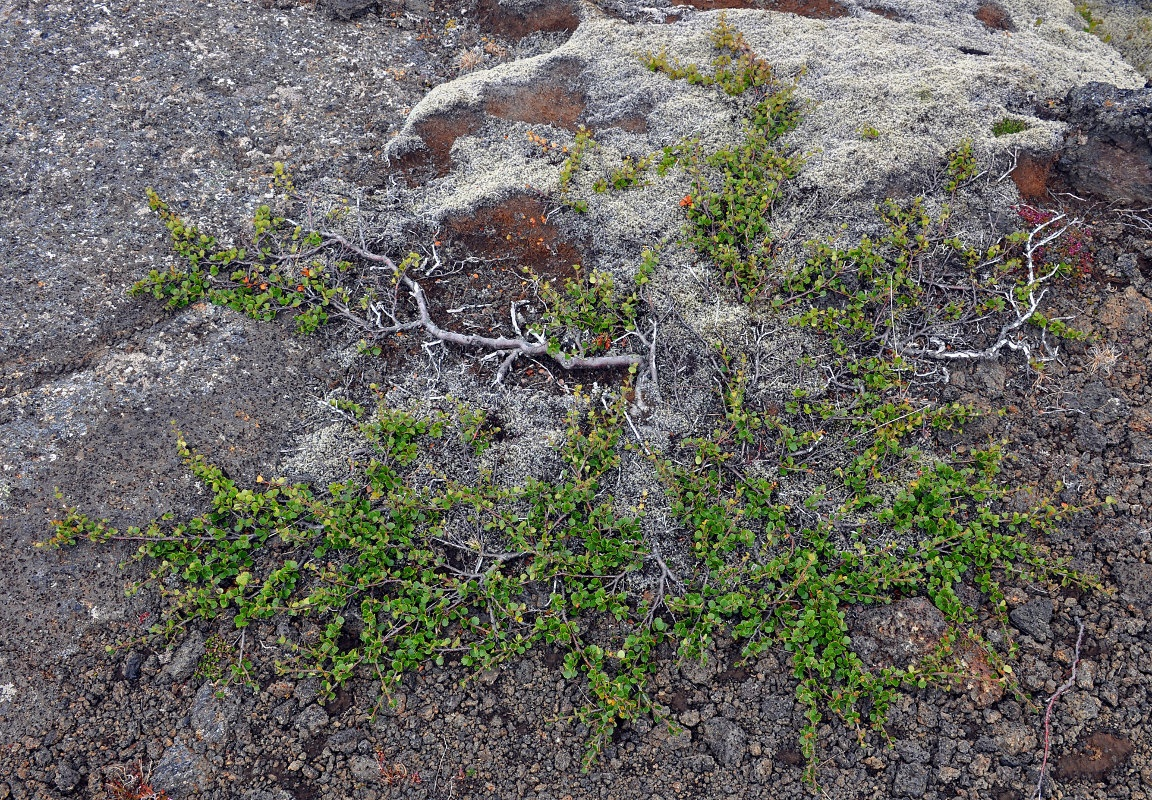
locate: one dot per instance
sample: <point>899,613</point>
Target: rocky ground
<point>198,101</point>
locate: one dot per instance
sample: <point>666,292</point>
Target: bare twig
<point>1024,306</point>
<point>1063,689</point>
<point>518,345</point>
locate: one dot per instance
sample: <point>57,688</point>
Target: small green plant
<point>1092,21</point>
<point>628,175</point>
<point>962,166</point>
<point>734,190</point>
<point>869,132</point>
<point>591,313</point>
<point>407,563</point>
<point>1009,126</point>
<point>218,654</point>
<point>475,429</point>
<point>571,166</point>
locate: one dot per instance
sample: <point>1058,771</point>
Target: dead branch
<point>1024,302</point>
<point>1063,688</point>
<point>514,347</point>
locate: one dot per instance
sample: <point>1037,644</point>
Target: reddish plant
<point>392,774</point>
<point>131,785</point>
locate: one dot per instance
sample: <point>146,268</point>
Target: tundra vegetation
<point>405,563</point>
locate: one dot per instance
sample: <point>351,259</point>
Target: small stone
<point>364,769</point>
<point>131,667</point>
<point>1086,675</point>
<point>307,691</point>
<point>283,713</point>
<point>700,763</point>
<point>563,761</point>
<point>1033,618</point>
<point>211,715</point>
<point>726,740</point>
<point>281,689</point>
<point>690,718</point>
<point>1083,707</point>
<point>679,741</point>
<point>913,752</point>
<point>697,672</point>
<point>66,778</point>
<point>1017,739</point>
<point>184,661</point>
<point>777,708</point>
<point>762,770</point>
<point>343,741</point>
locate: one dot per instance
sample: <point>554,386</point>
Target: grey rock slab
<point>364,769</point>
<point>211,715</point>
<point>1033,618</point>
<point>1135,580</point>
<point>897,634</point>
<point>913,752</point>
<point>181,773</point>
<point>266,794</point>
<point>344,741</point>
<point>726,740</point>
<point>699,673</point>
<point>307,690</point>
<point>700,763</point>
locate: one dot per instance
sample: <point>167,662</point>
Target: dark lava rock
<point>1135,583</point>
<point>1033,618</point>
<point>344,741</point>
<point>306,691</point>
<point>1094,757</point>
<point>913,752</point>
<point>726,740</point>
<point>700,764</point>
<point>347,9</point>
<point>311,720</point>
<point>911,780</point>
<point>183,663</point>
<point>1108,152</point>
<point>131,667</point>
<point>66,778</point>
